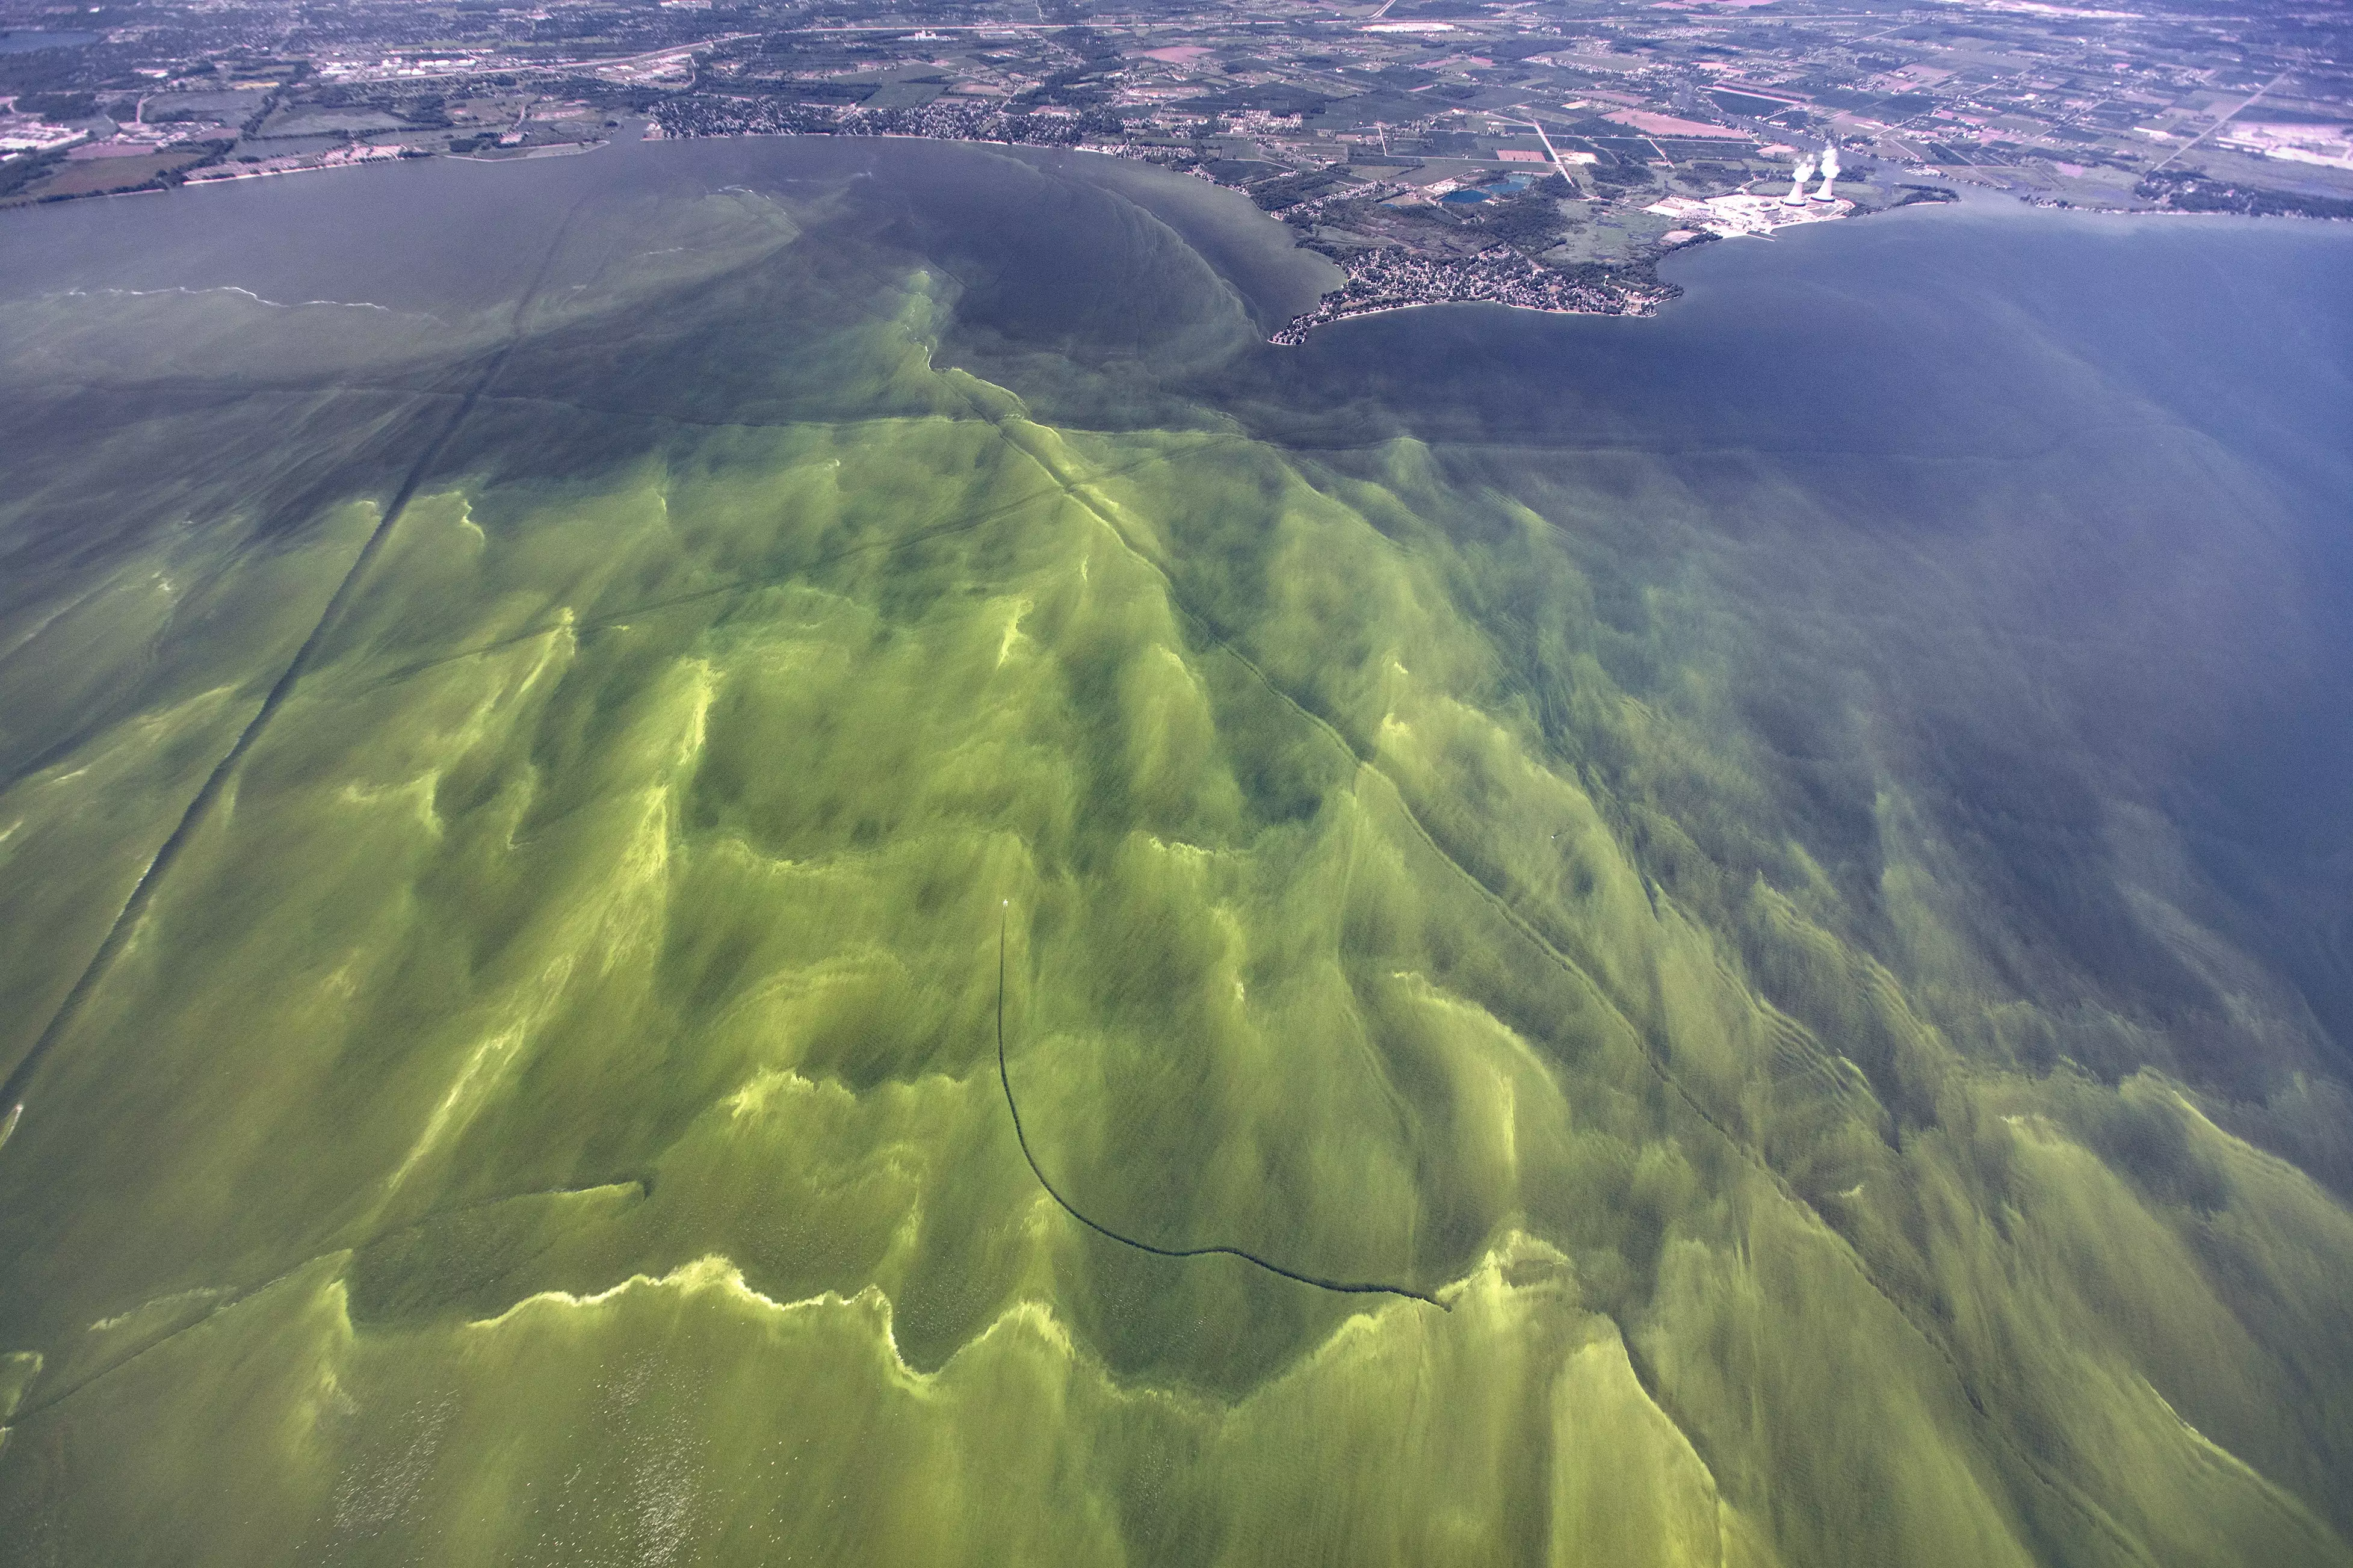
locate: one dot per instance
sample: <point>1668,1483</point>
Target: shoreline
<point>1630,288</point>
<point>1334,321</point>
<point>1396,276</point>
<point>203,173</point>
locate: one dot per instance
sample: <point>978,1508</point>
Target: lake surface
<point>576,736</point>
<point>27,42</point>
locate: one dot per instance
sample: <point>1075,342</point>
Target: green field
<point>507,829</point>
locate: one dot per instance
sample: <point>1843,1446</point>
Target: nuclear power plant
<point>1797,196</point>
<point>1745,212</point>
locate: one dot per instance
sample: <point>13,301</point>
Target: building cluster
<point>1394,278</point>
<point>1633,105</point>
<point>962,122</point>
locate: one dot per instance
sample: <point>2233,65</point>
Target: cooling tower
<point>1829,172</point>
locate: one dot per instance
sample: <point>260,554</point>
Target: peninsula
<point>1543,155</point>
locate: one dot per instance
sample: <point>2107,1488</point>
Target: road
<point>1550,156</point>
<point>2226,119</point>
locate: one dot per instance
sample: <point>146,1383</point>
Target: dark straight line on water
<point>142,893</point>
<point>1651,1050</point>
<point>1343,1287</point>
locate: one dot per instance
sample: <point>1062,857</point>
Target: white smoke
<point>1829,172</point>
<point>1797,196</point>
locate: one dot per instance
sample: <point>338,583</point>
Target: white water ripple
<point>234,288</point>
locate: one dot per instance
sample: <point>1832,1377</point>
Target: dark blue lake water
<point>27,42</point>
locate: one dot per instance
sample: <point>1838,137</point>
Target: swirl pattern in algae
<point>512,800</point>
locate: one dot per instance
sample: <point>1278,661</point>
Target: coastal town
<point>1545,155</point>
<point>1392,278</point>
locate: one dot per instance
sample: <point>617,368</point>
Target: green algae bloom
<point>515,804</point>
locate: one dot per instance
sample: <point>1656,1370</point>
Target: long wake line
<point>127,919</point>
<point>1345,1286</point>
